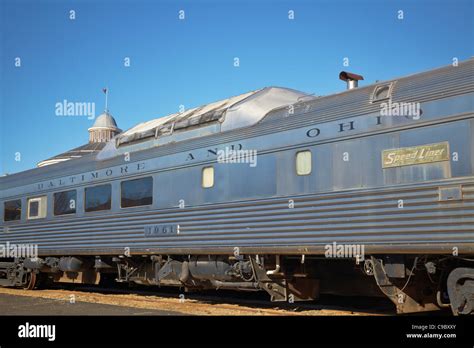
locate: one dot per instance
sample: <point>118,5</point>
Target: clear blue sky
<point>190,62</point>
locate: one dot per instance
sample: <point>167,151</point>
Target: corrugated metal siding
<point>358,216</point>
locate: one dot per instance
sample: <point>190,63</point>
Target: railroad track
<point>208,302</point>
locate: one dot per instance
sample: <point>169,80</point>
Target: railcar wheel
<point>461,291</point>
<point>31,284</point>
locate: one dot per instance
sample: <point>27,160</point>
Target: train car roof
<point>251,112</point>
<point>235,112</point>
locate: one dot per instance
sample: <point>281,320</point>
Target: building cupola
<point>104,129</point>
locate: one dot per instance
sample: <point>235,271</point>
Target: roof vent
<point>350,78</point>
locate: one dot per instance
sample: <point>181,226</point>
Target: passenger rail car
<point>365,192</point>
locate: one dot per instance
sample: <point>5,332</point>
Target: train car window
<point>137,192</point>
<point>12,210</point>
<point>98,198</point>
<point>207,177</point>
<point>37,207</point>
<point>65,202</point>
<point>303,163</point>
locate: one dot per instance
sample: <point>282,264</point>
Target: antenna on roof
<point>106,92</point>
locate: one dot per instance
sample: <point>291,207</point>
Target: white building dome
<point>104,129</point>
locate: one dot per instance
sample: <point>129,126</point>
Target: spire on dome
<point>106,92</point>
<point>105,127</point>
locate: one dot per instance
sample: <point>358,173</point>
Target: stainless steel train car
<point>365,192</point>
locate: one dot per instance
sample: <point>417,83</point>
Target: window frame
<point>213,177</point>
<point>310,162</point>
<point>42,207</point>
<point>136,179</point>
<point>4,210</point>
<point>97,210</point>
<point>54,203</point>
